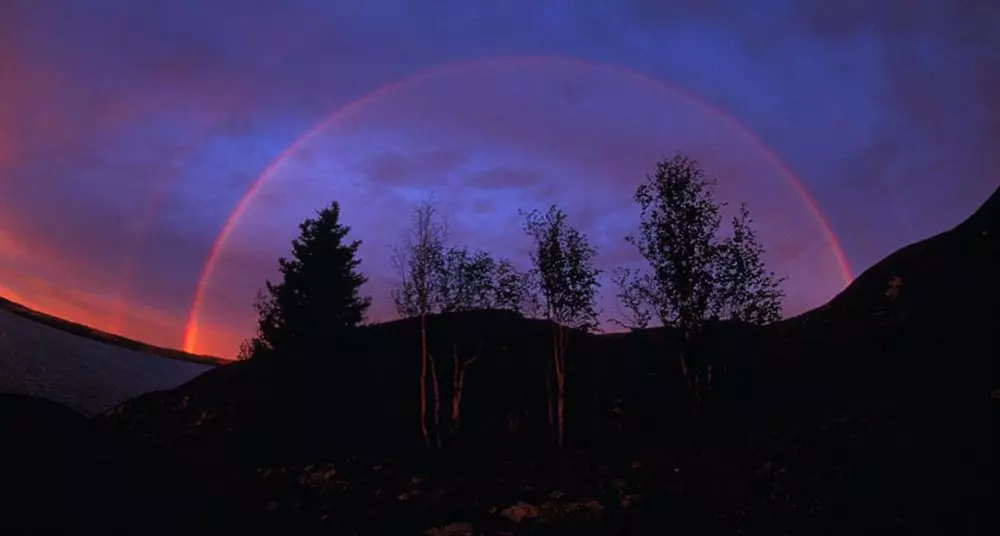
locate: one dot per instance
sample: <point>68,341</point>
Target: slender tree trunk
<point>456,393</point>
<point>563,346</point>
<point>458,386</point>
<point>691,371</point>
<point>423,380</point>
<point>437,400</point>
<point>560,409</point>
<point>558,365</point>
<point>549,398</point>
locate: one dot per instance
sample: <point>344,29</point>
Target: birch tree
<point>562,260</point>
<point>633,299</point>
<point>695,273</point>
<point>475,281</point>
<point>417,263</point>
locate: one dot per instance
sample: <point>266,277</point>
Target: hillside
<point>62,475</point>
<point>85,373</point>
<point>871,414</point>
<point>116,340</point>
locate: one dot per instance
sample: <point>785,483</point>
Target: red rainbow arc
<point>191,333</point>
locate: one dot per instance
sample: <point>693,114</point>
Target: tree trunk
<point>560,409</point>
<point>437,400</point>
<point>456,393</point>
<point>691,371</point>
<point>559,340</point>
<point>458,385</point>
<point>549,398</point>
<point>423,380</point>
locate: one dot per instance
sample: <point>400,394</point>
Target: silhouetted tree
<point>750,292</point>
<point>318,301</point>
<point>470,281</point>
<point>633,299</point>
<point>251,348</point>
<point>563,262</point>
<point>416,294</point>
<point>465,280</point>
<point>695,274</point>
<point>512,289</point>
<point>255,347</point>
<point>476,280</point>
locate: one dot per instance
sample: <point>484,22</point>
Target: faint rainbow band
<point>191,327</point>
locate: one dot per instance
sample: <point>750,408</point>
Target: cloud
<point>136,128</point>
<point>394,168</point>
<point>506,176</point>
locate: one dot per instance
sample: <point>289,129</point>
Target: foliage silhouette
<point>801,443</point>
<point>563,267</point>
<point>695,274</point>
<point>318,303</point>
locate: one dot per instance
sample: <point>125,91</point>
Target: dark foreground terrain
<point>874,414</point>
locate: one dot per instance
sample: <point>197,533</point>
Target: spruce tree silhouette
<point>318,303</point>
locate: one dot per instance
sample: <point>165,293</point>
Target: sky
<point>131,131</point>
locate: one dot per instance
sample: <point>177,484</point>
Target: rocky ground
<point>848,474</point>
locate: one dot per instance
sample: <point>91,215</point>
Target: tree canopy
<point>318,300</point>
<point>695,273</point>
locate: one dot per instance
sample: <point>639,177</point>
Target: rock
<point>451,529</point>
<point>407,495</point>
<point>629,500</point>
<point>895,286</point>
<point>521,511</point>
<point>589,508</point>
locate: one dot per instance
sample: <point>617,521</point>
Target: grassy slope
<point>97,335</point>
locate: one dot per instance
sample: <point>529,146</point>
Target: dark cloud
<point>399,169</point>
<point>506,176</point>
<point>484,205</point>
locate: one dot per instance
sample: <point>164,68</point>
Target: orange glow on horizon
<point>66,301</point>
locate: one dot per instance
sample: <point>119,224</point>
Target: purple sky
<point>130,130</point>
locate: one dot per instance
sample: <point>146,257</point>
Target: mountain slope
<point>86,374</point>
<point>871,414</point>
<point>102,336</point>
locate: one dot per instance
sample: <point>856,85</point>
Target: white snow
<point>86,375</point>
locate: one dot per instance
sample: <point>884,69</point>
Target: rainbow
<point>191,328</point>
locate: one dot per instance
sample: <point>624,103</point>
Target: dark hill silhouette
<point>61,474</point>
<point>864,338</point>
<point>871,414</point>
